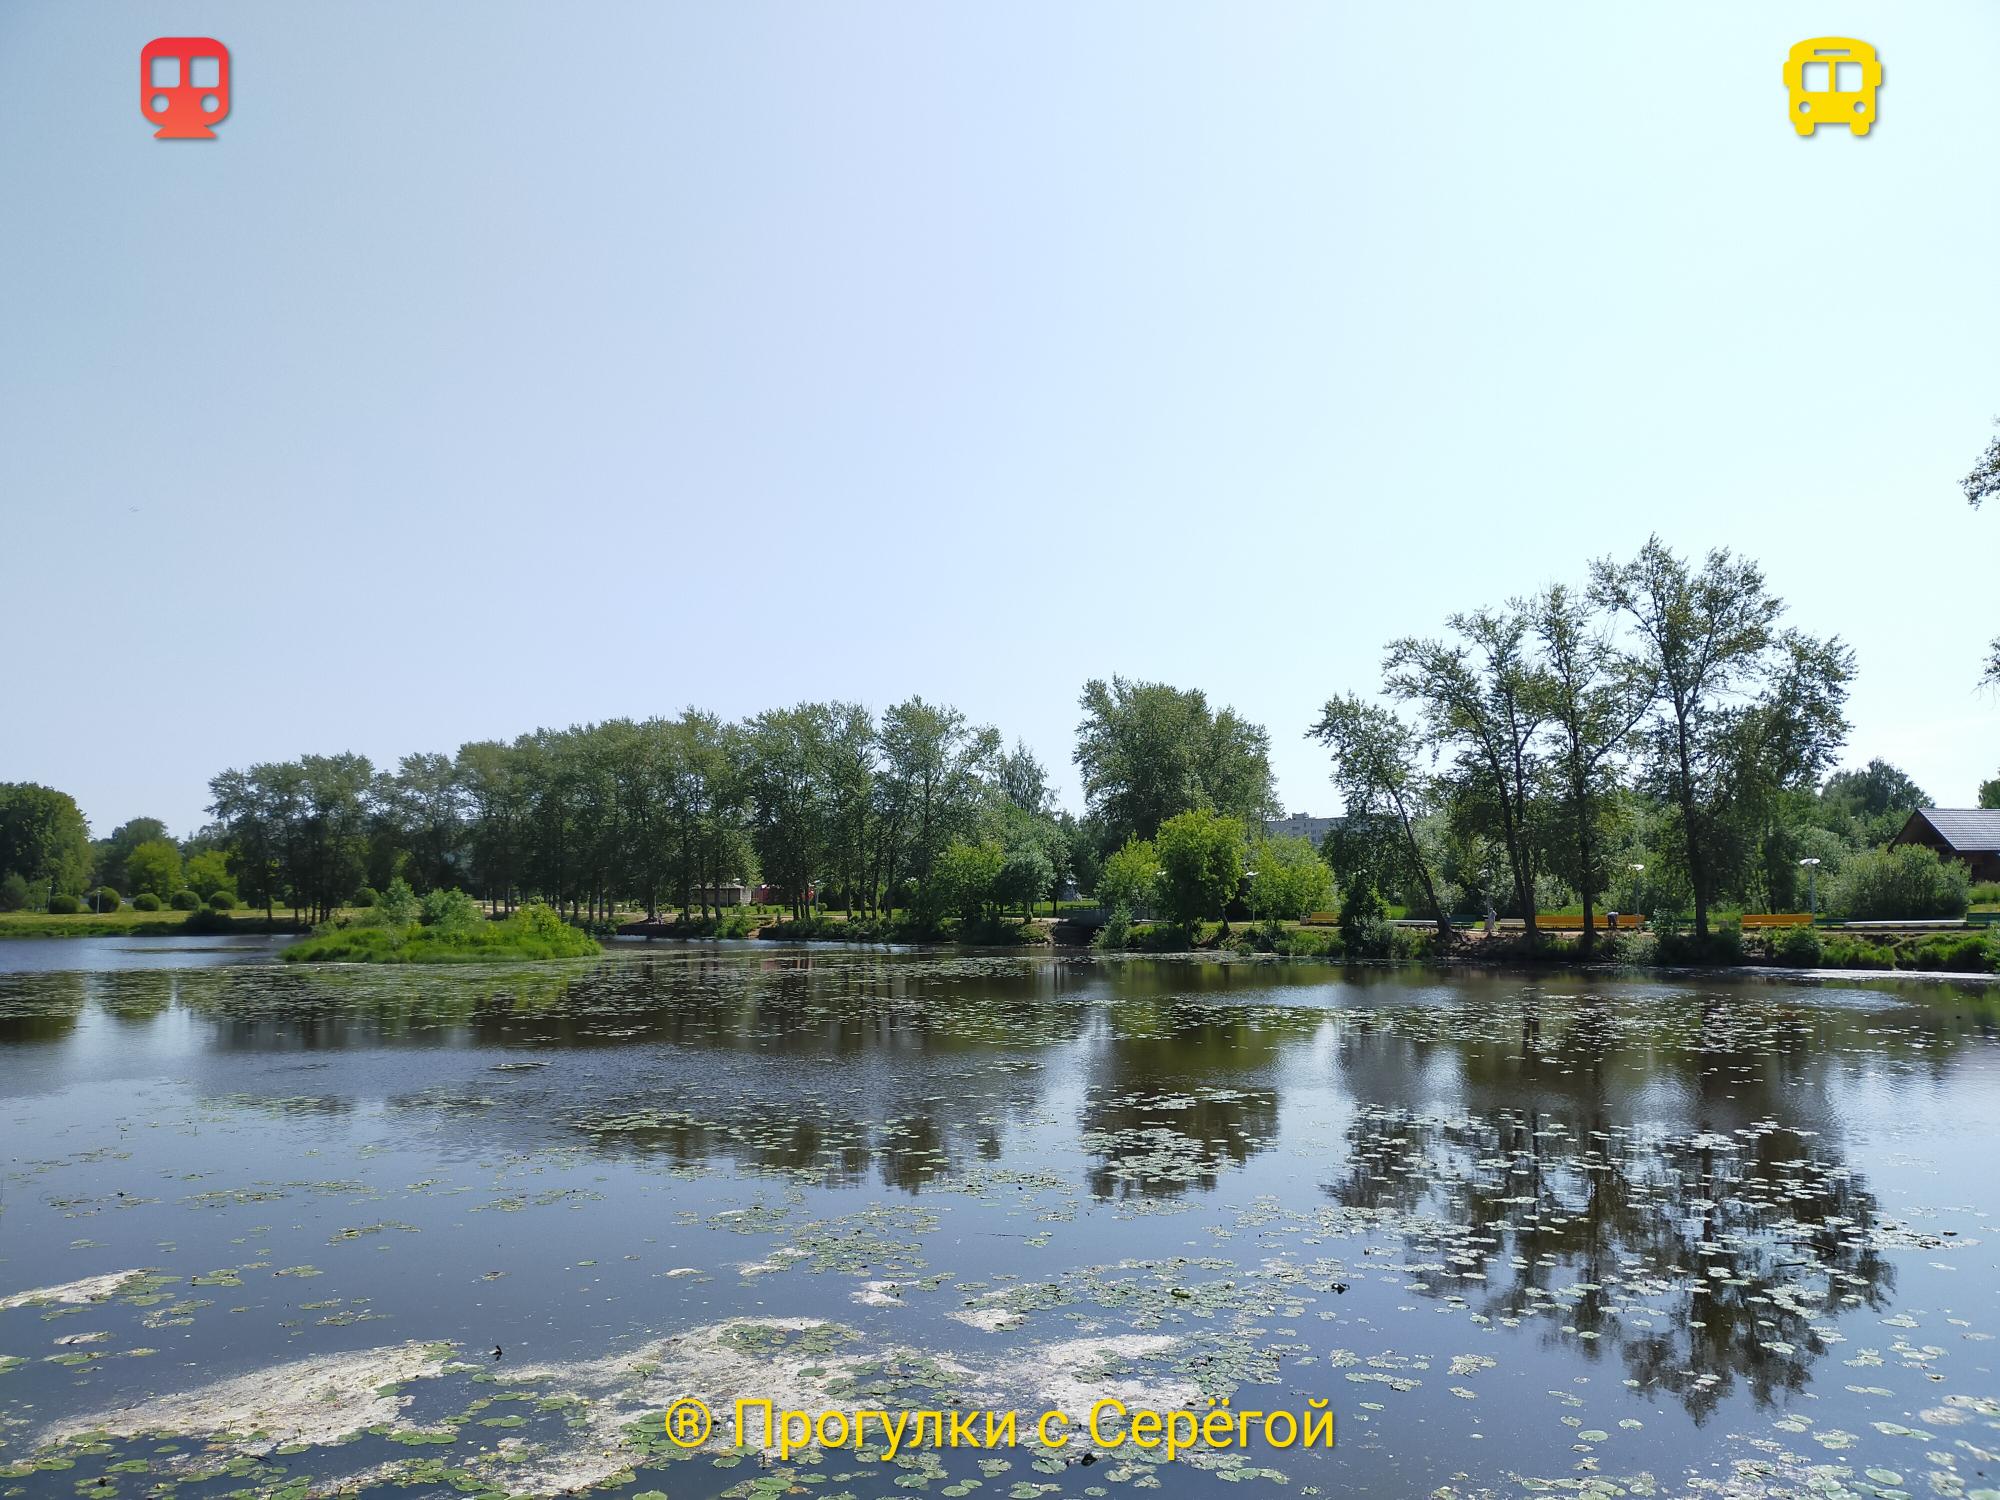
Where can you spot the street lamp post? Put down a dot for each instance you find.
(1812, 886)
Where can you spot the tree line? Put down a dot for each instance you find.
(1653, 734)
(917, 810)
(818, 801)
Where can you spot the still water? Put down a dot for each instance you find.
(272, 1231)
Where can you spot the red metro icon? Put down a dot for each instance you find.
(184, 86)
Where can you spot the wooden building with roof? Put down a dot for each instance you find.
(1970, 835)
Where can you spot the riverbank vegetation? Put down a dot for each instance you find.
(1953, 952)
(130, 922)
(1653, 736)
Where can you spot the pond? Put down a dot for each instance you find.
(284, 1231)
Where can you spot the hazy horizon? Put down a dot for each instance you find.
(571, 366)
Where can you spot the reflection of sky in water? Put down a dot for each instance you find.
(1309, 1177)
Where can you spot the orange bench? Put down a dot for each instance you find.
(1554, 922)
(1320, 919)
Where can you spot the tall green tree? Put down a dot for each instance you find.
(427, 804)
(43, 839)
(1982, 482)
(849, 768)
(1869, 805)
(934, 774)
(967, 878)
(495, 817)
(1741, 707)
(1378, 773)
(1148, 751)
(251, 807)
(709, 813)
(1034, 854)
(1130, 877)
(1594, 700)
(111, 852)
(332, 830)
(1289, 879)
(784, 766)
(1483, 697)
(154, 867)
(207, 872)
(1201, 865)
(1023, 780)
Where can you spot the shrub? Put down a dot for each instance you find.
(1116, 933)
(397, 906)
(1201, 864)
(1367, 937)
(13, 893)
(366, 896)
(1858, 953)
(1633, 948)
(1985, 893)
(184, 900)
(155, 867)
(207, 872)
(964, 880)
(104, 899)
(62, 904)
(144, 901)
(1308, 942)
(1292, 880)
(1800, 947)
(207, 921)
(1412, 942)
(1957, 953)
(222, 901)
(1130, 877)
(1723, 945)
(1363, 932)
(1906, 881)
(450, 911)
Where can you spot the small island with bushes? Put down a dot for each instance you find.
(444, 927)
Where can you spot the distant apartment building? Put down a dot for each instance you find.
(1301, 826)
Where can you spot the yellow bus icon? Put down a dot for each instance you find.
(1832, 81)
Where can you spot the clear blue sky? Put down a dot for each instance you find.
(509, 364)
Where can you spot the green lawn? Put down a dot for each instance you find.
(126, 922)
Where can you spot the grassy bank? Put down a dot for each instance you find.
(1958, 951)
(532, 935)
(129, 923)
(836, 927)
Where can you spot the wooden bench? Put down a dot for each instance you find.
(1320, 919)
(1559, 922)
(1752, 921)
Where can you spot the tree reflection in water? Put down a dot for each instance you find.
(1701, 1256)
(1178, 1093)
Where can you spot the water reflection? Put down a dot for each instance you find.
(1679, 1185)
(1697, 1258)
(1178, 1091)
